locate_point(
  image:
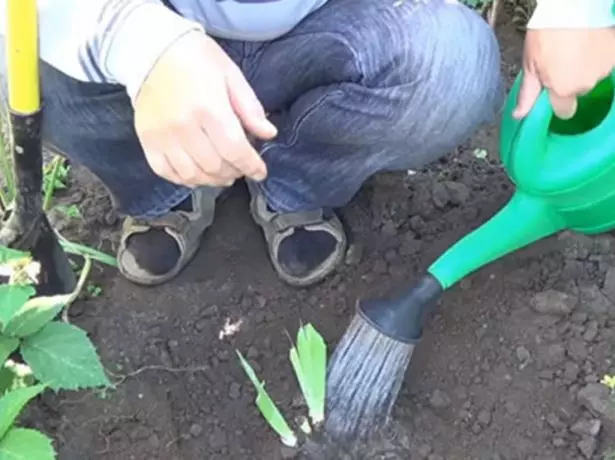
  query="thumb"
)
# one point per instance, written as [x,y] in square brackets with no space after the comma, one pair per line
[528,93]
[564,107]
[247,107]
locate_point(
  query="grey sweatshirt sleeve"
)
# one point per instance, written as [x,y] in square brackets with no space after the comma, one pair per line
[113,41]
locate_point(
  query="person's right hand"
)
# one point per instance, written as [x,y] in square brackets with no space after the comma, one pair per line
[190,116]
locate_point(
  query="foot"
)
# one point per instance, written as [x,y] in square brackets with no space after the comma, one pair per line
[154,251]
[304,247]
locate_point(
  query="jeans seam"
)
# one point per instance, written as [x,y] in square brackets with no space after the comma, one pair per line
[275,203]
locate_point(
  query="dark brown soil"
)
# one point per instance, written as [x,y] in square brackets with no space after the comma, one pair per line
[494,378]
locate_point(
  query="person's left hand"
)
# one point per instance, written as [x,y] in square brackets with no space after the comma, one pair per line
[566,62]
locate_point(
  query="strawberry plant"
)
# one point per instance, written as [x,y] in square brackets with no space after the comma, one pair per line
[55,354]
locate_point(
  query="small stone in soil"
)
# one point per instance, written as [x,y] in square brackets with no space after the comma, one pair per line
[217,438]
[577,350]
[552,355]
[554,422]
[587,446]
[558,442]
[252,353]
[523,354]
[439,399]
[587,427]
[553,302]
[511,408]
[571,371]
[234,391]
[439,195]
[458,192]
[154,441]
[246,302]
[592,378]
[424,450]
[195,430]
[597,399]
[591,331]
[594,301]
[484,417]
[212,310]
[576,246]
[579,317]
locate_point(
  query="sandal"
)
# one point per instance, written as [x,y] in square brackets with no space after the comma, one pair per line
[277,227]
[185,227]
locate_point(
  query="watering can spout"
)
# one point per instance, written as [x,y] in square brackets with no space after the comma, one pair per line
[524,220]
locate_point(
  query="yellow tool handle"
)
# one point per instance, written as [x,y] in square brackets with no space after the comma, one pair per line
[22,56]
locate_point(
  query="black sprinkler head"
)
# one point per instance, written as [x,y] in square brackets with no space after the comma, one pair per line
[402,318]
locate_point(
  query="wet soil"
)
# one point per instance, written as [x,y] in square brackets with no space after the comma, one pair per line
[507,368]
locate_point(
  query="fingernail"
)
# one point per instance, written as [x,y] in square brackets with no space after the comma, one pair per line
[260,176]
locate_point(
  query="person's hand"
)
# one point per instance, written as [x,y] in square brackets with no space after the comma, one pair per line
[190,116]
[567,63]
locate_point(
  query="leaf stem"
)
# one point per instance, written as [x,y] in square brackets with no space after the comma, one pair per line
[83,251]
[83,277]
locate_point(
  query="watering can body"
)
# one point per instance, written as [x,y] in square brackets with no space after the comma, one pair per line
[570,164]
[564,173]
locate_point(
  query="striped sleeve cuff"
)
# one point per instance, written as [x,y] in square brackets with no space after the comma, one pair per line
[134,38]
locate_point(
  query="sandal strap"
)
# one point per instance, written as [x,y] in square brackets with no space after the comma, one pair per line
[175,221]
[278,226]
[283,222]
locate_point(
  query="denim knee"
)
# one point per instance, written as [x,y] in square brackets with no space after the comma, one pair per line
[440,64]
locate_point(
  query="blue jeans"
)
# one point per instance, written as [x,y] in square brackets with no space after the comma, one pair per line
[359,87]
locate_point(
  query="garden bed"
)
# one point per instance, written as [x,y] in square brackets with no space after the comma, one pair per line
[507,369]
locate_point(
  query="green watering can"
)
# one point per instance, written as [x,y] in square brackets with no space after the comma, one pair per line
[564,171]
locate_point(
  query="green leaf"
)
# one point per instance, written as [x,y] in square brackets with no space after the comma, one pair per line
[7,254]
[267,407]
[26,444]
[62,356]
[309,361]
[35,314]
[15,375]
[12,297]
[7,380]
[7,346]
[12,403]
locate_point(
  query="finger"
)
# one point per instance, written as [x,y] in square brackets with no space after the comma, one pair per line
[528,94]
[188,171]
[161,167]
[187,177]
[564,107]
[202,152]
[247,106]
[229,139]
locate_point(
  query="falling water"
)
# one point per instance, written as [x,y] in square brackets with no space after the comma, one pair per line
[364,379]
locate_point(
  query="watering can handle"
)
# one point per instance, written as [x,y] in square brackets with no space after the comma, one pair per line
[531,136]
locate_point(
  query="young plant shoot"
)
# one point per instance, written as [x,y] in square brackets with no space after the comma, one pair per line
[309,361]
[267,407]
